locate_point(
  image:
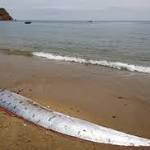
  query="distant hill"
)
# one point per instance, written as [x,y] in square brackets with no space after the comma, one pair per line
[4,15]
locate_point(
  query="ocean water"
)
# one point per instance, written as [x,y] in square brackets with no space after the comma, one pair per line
[120,45]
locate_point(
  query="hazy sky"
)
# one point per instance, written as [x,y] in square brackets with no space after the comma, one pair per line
[78,9]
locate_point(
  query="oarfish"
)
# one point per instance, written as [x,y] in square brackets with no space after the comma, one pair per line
[33,112]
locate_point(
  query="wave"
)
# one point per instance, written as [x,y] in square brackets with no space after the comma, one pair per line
[10,51]
[105,63]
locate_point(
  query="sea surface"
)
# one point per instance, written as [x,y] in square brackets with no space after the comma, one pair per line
[120,45]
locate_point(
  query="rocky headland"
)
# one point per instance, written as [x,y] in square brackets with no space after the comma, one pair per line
[4,15]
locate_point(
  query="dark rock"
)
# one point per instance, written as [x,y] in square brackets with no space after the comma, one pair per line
[114,117]
[120,97]
[4,15]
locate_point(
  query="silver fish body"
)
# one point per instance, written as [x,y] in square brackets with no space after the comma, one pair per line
[49,119]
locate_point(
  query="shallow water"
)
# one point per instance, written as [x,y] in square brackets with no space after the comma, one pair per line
[126,42]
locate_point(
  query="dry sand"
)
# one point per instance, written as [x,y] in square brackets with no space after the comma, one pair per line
[115,99]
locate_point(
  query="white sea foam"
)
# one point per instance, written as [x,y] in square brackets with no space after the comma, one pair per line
[116,65]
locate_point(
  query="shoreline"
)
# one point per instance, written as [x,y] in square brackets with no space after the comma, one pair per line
[116,65]
[104,96]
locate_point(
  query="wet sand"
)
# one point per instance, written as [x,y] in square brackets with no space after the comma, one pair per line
[112,98]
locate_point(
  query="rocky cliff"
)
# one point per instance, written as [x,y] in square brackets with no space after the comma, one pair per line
[4,15]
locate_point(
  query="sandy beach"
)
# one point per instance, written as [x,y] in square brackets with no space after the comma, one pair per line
[108,97]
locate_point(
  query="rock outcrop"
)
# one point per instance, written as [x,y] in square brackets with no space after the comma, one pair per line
[4,15]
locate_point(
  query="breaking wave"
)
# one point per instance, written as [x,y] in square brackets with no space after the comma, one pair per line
[111,64]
